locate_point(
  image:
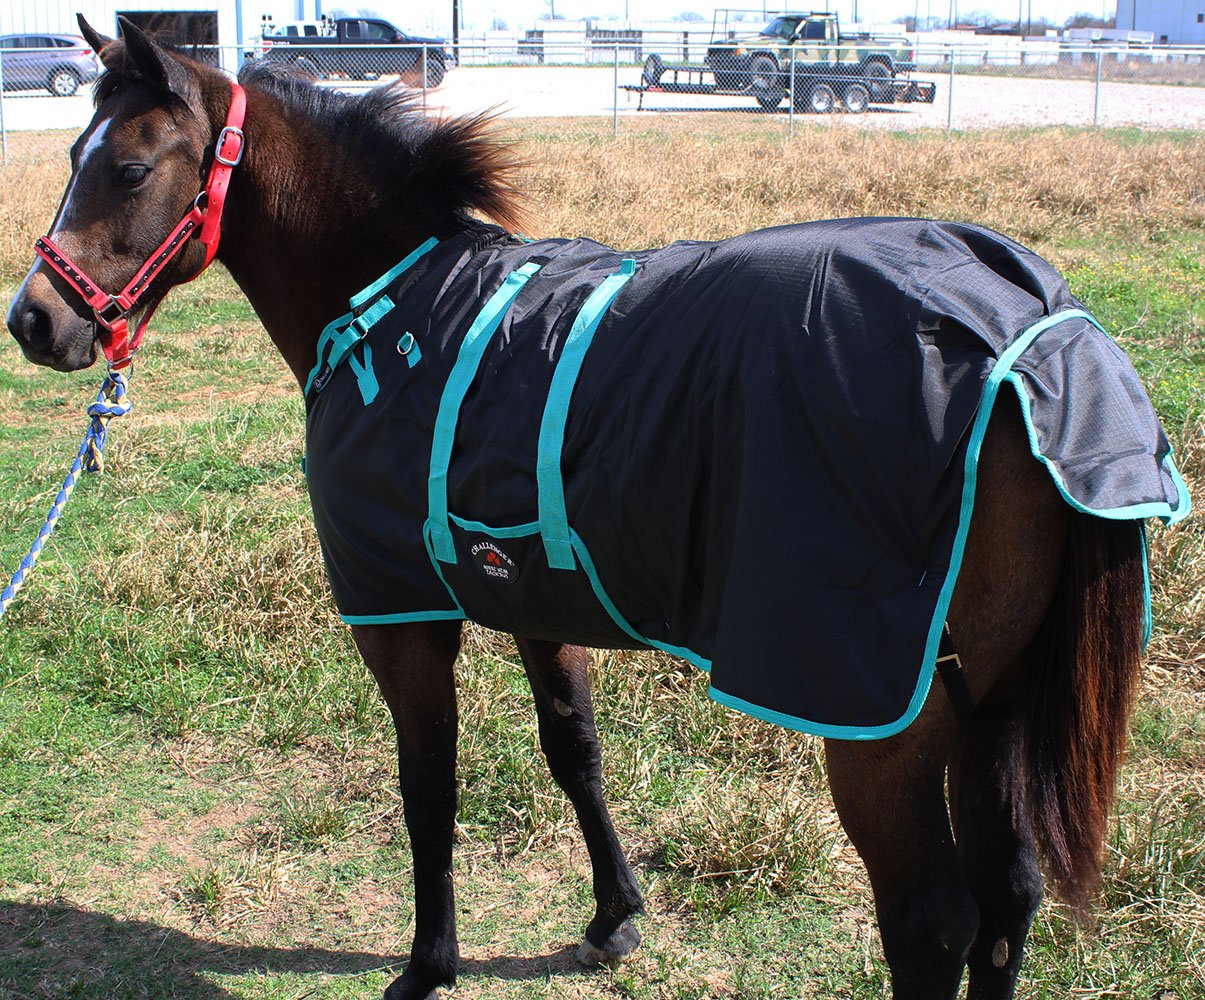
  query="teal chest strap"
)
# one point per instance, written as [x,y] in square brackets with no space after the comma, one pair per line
[341,336]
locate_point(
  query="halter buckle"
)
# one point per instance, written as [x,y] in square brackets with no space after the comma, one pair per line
[110,312]
[237,157]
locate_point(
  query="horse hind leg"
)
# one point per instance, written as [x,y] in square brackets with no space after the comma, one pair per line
[997,852]
[560,683]
[890,796]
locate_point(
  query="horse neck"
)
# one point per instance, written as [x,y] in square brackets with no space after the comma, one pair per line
[304,229]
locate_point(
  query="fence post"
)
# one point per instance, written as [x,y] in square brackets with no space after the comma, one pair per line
[3,130]
[424,76]
[615,98]
[950,95]
[1100,57]
[791,99]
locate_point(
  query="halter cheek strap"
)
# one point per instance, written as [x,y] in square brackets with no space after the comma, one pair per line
[204,221]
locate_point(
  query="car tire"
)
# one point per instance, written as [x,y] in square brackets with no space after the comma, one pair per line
[764,81]
[856,98]
[62,82]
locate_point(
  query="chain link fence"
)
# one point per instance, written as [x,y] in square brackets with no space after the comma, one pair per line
[898,84]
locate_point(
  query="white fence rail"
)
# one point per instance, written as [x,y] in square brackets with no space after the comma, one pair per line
[931,86]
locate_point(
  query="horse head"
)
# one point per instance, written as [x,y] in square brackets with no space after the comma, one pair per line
[135,174]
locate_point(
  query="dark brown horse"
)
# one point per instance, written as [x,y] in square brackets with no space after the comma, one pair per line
[331,192]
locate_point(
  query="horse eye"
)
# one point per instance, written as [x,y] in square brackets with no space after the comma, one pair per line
[132,174]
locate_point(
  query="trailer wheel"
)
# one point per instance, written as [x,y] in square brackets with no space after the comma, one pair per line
[878,77]
[654,66]
[764,82]
[856,98]
[819,99]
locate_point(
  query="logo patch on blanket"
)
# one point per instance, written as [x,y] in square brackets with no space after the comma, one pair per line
[492,562]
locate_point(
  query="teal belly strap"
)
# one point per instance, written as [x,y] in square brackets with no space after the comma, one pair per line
[464,370]
[554,520]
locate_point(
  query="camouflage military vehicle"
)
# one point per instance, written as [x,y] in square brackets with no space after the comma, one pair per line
[815,45]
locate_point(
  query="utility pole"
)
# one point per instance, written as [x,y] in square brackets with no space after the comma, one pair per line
[456,29]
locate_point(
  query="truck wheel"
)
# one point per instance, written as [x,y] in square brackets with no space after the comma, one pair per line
[435,70]
[878,77]
[654,66]
[62,82]
[819,99]
[856,98]
[765,82]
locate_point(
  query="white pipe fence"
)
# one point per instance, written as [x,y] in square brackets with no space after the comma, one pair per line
[944,85]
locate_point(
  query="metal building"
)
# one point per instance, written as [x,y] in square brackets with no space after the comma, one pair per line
[225,23]
[1172,22]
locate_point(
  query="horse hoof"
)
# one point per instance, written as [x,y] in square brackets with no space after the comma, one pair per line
[622,942]
[399,989]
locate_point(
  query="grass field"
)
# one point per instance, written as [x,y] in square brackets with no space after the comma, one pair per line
[197,776]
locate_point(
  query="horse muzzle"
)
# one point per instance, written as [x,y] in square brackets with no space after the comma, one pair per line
[51,333]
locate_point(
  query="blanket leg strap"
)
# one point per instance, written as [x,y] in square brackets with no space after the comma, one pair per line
[949,669]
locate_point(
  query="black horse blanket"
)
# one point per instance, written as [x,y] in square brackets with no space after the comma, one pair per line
[729,451]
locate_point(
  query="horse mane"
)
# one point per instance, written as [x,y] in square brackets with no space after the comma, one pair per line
[445,166]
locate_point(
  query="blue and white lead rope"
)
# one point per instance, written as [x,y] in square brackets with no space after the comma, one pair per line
[110,402]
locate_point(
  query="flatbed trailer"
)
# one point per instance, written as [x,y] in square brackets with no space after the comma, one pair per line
[815,89]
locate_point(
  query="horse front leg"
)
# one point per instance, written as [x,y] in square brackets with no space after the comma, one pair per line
[560,682]
[413,665]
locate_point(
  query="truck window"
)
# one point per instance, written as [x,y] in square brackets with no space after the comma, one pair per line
[781,27]
[378,31]
[355,29]
[311,29]
[813,31]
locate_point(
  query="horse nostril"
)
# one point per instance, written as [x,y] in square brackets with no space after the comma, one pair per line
[30,325]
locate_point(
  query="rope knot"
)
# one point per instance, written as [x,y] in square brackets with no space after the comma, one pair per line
[111,402]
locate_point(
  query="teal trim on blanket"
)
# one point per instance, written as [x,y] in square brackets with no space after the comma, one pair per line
[995,379]
[554,521]
[396,271]
[1158,508]
[404,616]
[587,564]
[464,371]
[510,531]
[1147,620]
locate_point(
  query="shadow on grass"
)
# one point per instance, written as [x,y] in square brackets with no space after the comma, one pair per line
[57,950]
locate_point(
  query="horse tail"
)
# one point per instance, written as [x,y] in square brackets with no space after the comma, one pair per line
[1084,673]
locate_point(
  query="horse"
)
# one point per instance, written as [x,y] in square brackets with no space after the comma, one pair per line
[1004,773]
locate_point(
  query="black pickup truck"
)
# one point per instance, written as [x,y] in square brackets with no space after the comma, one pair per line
[358,48]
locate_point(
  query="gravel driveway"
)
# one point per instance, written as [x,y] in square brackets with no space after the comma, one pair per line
[555,91]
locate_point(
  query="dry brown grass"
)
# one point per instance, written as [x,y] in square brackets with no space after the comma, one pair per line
[686,179]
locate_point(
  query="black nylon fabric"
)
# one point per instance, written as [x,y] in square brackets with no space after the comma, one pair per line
[763,455]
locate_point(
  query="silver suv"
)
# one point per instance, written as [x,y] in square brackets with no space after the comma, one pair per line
[60,63]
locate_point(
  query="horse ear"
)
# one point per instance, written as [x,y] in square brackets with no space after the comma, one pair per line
[96,41]
[150,63]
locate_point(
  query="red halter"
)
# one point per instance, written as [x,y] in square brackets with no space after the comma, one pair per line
[204,221]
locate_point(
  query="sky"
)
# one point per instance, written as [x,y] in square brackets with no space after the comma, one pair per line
[476,15]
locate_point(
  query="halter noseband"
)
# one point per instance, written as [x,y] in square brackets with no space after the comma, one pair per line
[204,221]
